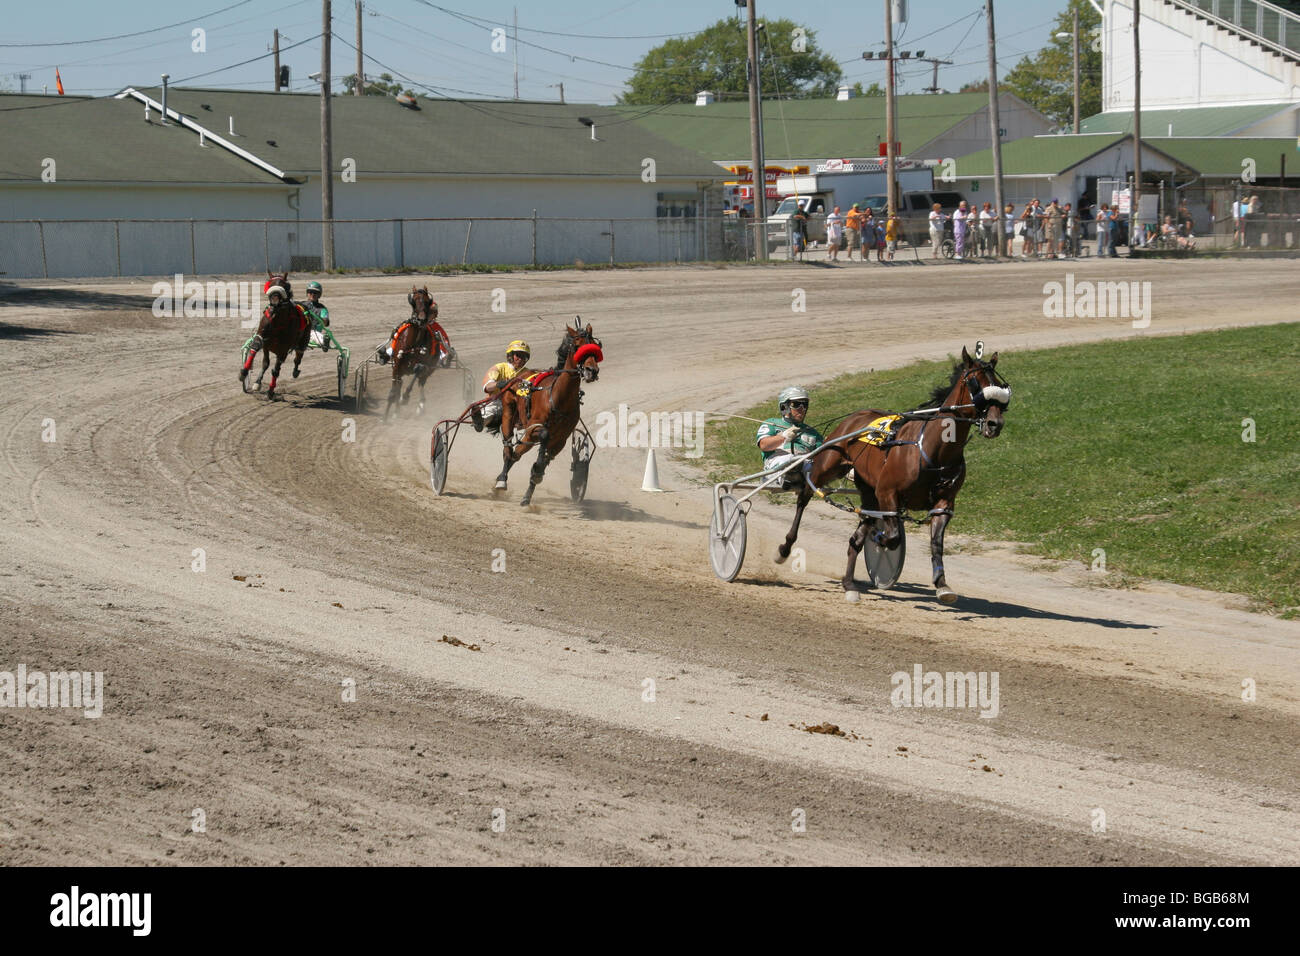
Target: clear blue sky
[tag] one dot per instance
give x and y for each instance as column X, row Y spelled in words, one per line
column 590, row 49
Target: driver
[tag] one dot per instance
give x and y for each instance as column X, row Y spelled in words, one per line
column 782, row 439
column 318, row 314
column 517, row 355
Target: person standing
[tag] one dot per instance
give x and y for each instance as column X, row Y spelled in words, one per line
column 988, row 230
column 936, row 230
column 1027, row 231
column 1052, row 229
column 892, row 228
column 853, row 230
column 1071, row 230
column 1112, row 220
column 1103, row 229
column 1009, row 228
column 834, row 234
column 798, row 232
column 959, row 218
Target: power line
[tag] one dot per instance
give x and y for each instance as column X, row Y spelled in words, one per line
column 124, row 36
column 470, row 18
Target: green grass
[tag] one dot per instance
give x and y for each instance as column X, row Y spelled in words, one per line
column 1134, row 447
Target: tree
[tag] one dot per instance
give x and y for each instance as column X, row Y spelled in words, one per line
column 875, row 89
column 1046, row 81
column 715, row 59
column 384, row 86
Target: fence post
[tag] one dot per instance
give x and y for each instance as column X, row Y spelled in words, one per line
column 117, row 243
column 611, row 242
column 469, row 231
column 534, row 238
column 45, row 269
column 401, row 243
column 194, row 265
column 266, row 242
column 677, row 240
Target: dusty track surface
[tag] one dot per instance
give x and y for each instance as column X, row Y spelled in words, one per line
column 226, row 694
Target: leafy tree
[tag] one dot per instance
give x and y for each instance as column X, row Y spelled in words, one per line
column 1046, row 81
column 715, row 59
column 384, row 86
column 875, row 89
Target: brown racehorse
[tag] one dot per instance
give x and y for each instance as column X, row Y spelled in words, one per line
column 920, row 469
column 551, row 407
column 284, row 328
column 416, row 347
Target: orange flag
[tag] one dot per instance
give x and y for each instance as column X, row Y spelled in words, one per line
column 58, row 80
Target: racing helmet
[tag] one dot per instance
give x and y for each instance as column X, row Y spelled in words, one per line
column 794, row 393
column 520, row 346
column 314, row 286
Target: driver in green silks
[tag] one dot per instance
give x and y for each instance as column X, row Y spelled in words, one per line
column 783, row 439
column 318, row 314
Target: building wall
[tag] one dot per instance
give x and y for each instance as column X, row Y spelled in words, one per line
column 137, row 201
column 972, row 134
column 1187, row 62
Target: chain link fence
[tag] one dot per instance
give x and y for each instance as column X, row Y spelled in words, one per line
column 67, row 248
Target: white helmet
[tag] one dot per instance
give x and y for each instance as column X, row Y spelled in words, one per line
column 795, row 393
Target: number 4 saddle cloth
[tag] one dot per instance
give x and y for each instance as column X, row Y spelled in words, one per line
column 882, row 430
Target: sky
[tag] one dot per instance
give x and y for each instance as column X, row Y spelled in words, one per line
column 445, row 47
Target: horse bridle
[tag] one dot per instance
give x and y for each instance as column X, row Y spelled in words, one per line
column 998, row 392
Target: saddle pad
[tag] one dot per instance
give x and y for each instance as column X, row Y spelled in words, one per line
column 884, row 428
column 533, row 382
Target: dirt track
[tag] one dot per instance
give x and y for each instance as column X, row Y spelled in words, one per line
column 225, row 695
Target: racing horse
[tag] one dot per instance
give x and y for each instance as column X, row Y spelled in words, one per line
column 550, row 405
column 284, row 328
column 921, row 467
column 416, row 347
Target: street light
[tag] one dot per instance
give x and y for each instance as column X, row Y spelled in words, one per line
column 1074, row 35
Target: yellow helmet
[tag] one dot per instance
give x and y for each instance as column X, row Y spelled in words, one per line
column 519, row 345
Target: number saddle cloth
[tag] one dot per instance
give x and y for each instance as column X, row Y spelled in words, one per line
column 882, row 431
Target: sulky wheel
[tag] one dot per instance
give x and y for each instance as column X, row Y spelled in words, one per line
column 438, row 459
column 885, row 565
column 727, row 542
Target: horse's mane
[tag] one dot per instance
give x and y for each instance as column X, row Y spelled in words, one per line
column 564, row 351
column 940, row 392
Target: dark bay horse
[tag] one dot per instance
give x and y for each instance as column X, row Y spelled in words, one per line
column 284, row 328
column 416, row 347
column 550, row 408
column 921, row 468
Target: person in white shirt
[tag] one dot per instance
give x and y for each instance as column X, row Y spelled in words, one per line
column 936, row 230
column 988, row 230
column 834, row 234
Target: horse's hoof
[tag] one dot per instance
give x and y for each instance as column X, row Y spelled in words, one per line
column 243, row 374
column 946, row 595
column 853, row 597
column 419, row 409
column 500, row 485
column 781, row 558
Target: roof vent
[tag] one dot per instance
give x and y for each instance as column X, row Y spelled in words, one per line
column 844, row 93
column 407, row 101
column 703, row 98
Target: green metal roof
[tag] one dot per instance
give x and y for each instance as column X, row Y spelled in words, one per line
column 1037, row 155
column 1223, row 156
column 107, row 141
column 821, row 127
column 1199, row 121
column 482, row 138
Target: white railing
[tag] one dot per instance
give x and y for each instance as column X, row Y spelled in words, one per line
column 1271, row 26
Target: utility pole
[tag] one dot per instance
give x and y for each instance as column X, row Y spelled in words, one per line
column 359, row 88
column 934, row 84
column 275, row 47
column 1075, row 11
column 515, row 47
column 995, row 129
column 560, row 85
column 1136, row 198
column 326, row 146
column 756, row 140
column 22, row 82
column 889, row 106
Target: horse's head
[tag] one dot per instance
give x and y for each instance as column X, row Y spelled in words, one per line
column 989, row 392
column 282, row 280
column 422, row 305
column 583, row 349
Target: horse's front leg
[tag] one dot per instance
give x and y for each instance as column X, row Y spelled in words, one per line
column 297, row 360
column 275, row 374
column 539, row 467
column 783, row 551
column 856, row 541
column 939, row 524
